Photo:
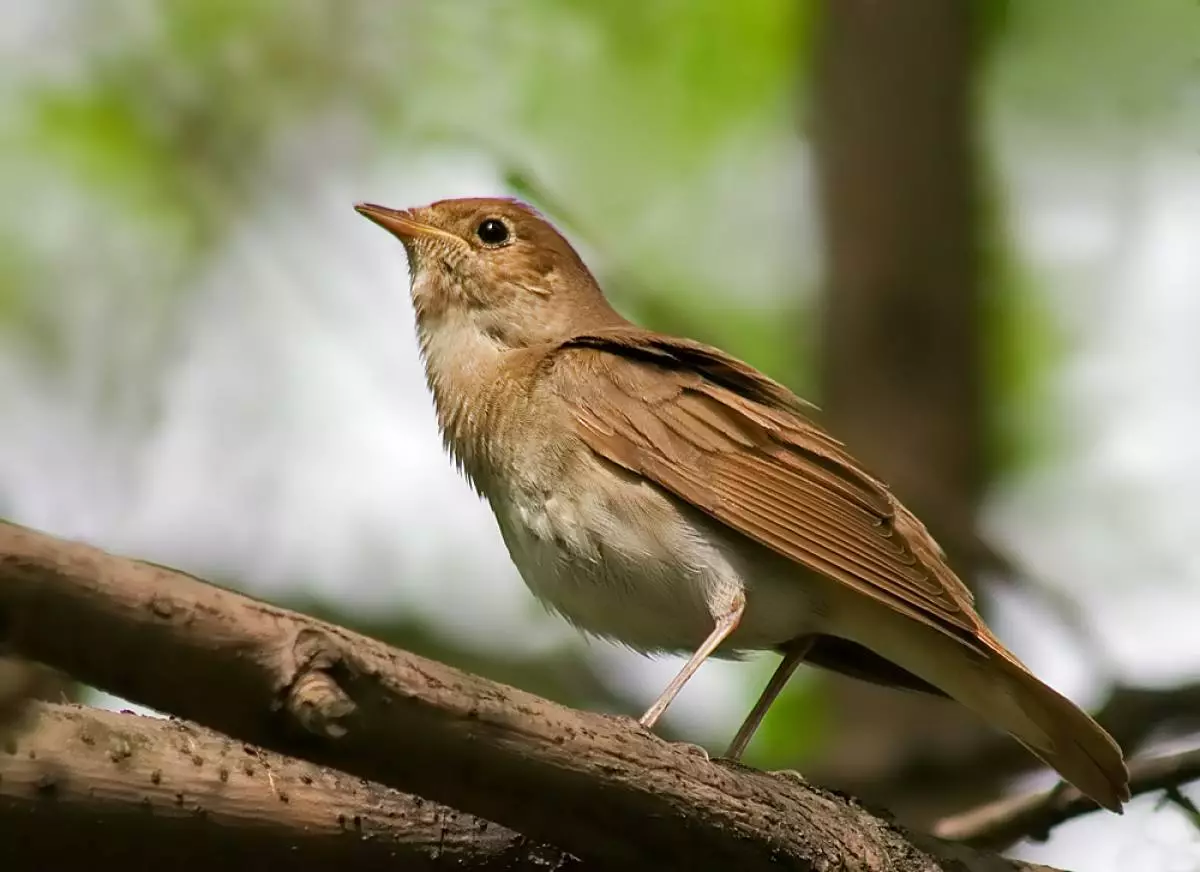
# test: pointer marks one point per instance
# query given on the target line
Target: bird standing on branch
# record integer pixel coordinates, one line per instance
(659, 492)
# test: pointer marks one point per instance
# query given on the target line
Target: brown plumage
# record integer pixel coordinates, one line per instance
(660, 492)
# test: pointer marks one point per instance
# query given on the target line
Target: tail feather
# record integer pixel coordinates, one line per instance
(990, 681)
(1068, 740)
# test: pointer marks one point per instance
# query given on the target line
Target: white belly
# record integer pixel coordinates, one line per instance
(629, 565)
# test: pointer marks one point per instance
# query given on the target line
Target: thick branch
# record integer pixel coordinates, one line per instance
(143, 792)
(597, 786)
(999, 824)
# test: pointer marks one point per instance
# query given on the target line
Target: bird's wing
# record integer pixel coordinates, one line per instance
(722, 436)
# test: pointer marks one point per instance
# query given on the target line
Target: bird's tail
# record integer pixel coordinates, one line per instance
(1061, 734)
(990, 681)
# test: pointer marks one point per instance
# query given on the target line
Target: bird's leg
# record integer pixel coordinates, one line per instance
(793, 656)
(726, 624)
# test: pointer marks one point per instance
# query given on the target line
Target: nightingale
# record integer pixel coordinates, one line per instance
(661, 493)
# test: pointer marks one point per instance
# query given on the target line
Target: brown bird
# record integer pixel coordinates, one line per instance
(661, 493)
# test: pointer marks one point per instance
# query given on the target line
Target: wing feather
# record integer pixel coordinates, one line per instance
(738, 446)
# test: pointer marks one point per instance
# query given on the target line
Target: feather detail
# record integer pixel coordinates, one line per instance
(725, 438)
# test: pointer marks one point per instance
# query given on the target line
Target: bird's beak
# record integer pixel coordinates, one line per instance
(400, 223)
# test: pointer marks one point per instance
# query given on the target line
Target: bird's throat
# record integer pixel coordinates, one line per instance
(463, 368)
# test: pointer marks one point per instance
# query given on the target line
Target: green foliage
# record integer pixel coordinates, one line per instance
(1098, 71)
(704, 63)
(177, 124)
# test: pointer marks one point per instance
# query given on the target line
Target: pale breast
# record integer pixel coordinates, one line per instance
(608, 550)
(622, 560)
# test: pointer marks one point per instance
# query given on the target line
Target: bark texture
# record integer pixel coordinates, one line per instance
(598, 787)
(144, 791)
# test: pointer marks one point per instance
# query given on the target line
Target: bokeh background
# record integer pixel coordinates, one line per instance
(969, 230)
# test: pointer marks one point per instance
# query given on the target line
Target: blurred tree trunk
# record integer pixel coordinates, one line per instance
(901, 361)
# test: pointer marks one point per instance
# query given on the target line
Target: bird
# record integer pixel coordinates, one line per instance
(660, 493)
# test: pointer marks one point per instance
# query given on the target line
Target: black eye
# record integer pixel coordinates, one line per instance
(492, 231)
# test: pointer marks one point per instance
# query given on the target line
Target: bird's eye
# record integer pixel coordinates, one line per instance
(492, 231)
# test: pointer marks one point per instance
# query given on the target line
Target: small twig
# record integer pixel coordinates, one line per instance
(1003, 822)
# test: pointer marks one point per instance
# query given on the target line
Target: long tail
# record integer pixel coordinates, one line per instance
(993, 683)
(1064, 737)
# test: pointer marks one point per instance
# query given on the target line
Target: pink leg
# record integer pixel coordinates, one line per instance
(725, 625)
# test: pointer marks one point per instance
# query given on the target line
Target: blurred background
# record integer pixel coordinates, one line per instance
(967, 230)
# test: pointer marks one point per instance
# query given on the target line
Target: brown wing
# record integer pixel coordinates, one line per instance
(720, 435)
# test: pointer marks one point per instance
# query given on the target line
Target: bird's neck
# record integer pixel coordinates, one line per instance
(464, 368)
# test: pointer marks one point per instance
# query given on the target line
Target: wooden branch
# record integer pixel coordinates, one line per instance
(1001, 823)
(140, 792)
(599, 787)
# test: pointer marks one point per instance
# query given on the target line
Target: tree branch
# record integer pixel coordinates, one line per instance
(145, 791)
(597, 786)
(999, 824)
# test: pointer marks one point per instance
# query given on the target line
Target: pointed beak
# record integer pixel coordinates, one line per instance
(396, 221)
